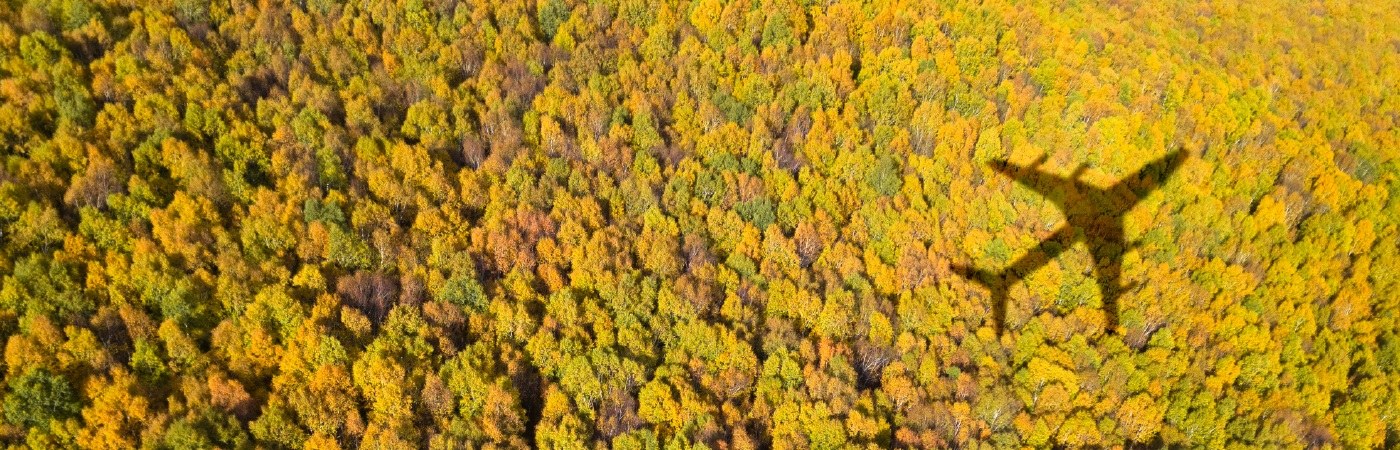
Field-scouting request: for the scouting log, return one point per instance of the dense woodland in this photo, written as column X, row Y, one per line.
column 625, row 224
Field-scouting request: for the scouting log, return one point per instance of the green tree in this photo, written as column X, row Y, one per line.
column 38, row 397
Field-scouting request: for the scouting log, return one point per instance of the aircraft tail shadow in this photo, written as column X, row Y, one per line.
column 996, row 284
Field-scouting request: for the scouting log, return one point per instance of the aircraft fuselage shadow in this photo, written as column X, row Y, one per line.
column 1093, row 216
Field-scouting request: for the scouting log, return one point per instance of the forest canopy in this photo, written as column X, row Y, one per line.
column 655, row 224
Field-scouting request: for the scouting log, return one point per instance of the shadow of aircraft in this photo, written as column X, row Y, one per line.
column 1093, row 215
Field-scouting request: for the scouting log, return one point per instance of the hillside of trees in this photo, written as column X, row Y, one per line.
column 655, row 224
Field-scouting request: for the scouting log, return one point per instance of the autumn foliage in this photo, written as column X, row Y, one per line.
column 639, row 224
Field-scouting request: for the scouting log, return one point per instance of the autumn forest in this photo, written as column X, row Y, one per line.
column 635, row 224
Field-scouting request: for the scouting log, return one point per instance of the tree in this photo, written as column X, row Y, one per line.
column 631, row 224
column 38, row 397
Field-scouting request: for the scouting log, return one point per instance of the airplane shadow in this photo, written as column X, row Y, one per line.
column 1093, row 216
